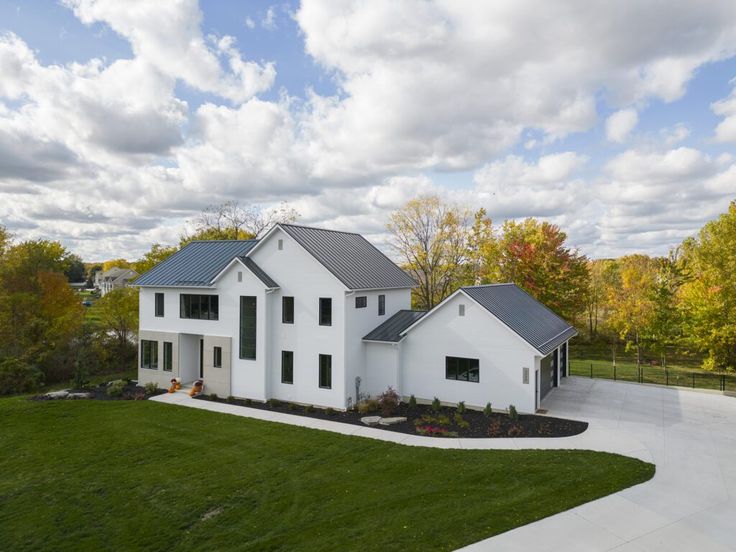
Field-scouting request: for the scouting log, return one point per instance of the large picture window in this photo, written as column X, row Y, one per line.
column 168, row 352
column 149, row 354
column 287, row 366
column 287, row 310
column 325, row 311
column 248, row 327
column 462, row 369
column 159, row 304
column 200, row 307
column 325, row 371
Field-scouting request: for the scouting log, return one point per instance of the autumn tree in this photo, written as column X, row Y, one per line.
column 158, row 253
column 112, row 263
column 430, row 237
column 666, row 321
column 481, row 266
column 534, row 255
column 118, row 312
column 603, row 275
column 708, row 298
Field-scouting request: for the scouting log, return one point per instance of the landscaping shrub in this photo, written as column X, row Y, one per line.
column 330, row 412
column 412, row 402
column 460, row 407
column 487, row 411
column 494, row 428
column 115, row 388
column 516, row 430
column 213, row 396
column 434, row 431
column 513, row 414
column 388, row 401
column 436, row 404
column 230, row 399
column 150, row 388
column 17, row 376
column 368, row 405
column 461, row 422
column 309, row 408
column 273, row 403
column 292, row 406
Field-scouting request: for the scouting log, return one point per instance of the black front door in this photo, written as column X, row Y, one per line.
column 201, row 358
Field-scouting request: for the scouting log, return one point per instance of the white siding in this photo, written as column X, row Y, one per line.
column 382, row 368
column 501, row 352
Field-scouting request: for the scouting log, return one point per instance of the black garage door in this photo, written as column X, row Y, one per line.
column 548, row 367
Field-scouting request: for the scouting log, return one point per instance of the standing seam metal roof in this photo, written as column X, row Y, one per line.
column 259, row 272
column 532, row 320
column 196, row 264
column 350, row 257
column 390, row 330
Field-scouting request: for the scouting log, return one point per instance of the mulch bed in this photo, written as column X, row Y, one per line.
column 499, row 424
column 131, row 391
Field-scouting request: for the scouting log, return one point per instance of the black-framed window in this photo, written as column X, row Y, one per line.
column 149, row 354
column 159, row 301
column 361, row 302
column 217, row 357
column 199, row 307
column 248, row 327
column 287, row 310
column 168, row 353
column 325, row 311
column 462, row 369
column 381, row 305
column 325, row 371
column 287, row 366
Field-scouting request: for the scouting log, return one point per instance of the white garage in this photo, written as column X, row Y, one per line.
column 491, row 343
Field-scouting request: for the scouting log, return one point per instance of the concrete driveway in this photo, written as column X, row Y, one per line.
column 689, row 505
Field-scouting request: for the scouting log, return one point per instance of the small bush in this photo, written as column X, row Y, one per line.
column 368, row 405
column 494, row 428
column 17, row 376
column 309, row 408
column 213, row 396
column 230, row 399
column 292, row 406
column 460, row 407
column 461, row 422
column 150, row 388
column 273, row 403
column 436, row 404
column 116, row 388
column 516, row 430
column 434, row 431
column 330, row 412
column 412, row 402
column 487, row 411
column 248, row 401
column 513, row 414
column 388, row 401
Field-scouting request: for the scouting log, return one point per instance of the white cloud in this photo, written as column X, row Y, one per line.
column 250, row 23
column 726, row 129
column 268, row 21
column 620, row 124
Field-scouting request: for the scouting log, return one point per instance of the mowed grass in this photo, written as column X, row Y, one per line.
column 140, row 475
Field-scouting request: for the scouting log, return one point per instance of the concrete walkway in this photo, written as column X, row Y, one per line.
column 691, row 437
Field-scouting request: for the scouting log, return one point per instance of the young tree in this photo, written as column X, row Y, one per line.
column 665, row 323
column 482, row 262
column 118, row 312
column 75, row 271
column 431, row 239
column 603, row 275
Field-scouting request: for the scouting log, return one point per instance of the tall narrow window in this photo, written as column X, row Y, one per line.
column 325, row 311
column 159, row 304
column 461, row 310
column 281, row 244
column 217, row 357
column 248, row 328
column 287, row 310
column 381, row 305
column 149, row 354
column 361, row 302
column 287, row 366
column 325, row 371
column 168, row 352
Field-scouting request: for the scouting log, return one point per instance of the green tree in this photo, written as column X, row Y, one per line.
column 665, row 323
column 157, row 254
column 118, row 311
column 119, row 263
column 431, row 239
column 75, row 272
column 482, row 257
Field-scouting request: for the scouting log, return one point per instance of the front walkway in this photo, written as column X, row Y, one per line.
column 690, row 504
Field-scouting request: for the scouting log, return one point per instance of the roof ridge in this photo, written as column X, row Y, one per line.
column 320, row 228
column 489, row 285
column 222, row 241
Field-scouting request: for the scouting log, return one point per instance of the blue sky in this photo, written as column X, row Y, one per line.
column 118, row 124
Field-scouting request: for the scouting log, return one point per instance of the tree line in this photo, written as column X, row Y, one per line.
column 684, row 302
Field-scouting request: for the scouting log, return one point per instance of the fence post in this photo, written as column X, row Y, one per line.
column 591, row 370
column 666, row 377
column 614, row 372
column 693, row 380
column 723, row 382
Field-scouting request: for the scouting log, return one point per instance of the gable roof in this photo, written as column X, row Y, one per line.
column 258, row 272
column 195, row 264
column 531, row 320
column 122, row 275
column 353, row 260
column 390, row 330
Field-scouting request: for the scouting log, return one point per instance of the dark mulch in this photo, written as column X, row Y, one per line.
column 131, row 391
column 497, row 425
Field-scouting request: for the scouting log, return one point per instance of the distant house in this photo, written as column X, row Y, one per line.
column 321, row 317
column 115, row 278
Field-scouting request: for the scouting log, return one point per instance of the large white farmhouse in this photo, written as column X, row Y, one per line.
column 316, row 316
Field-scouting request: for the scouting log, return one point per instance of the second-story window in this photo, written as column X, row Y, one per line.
column 248, row 328
column 325, row 311
column 287, row 310
column 159, row 300
column 200, row 307
column 381, row 305
column 361, row 302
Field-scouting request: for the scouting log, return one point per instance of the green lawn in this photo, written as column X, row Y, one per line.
column 140, row 475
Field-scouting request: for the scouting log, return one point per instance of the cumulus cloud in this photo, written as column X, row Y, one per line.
column 620, row 124
column 726, row 108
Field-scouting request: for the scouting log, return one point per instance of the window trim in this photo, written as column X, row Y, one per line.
column 329, row 359
column 381, row 305
column 284, row 355
column 473, row 365
column 284, row 302
column 158, row 309
column 241, row 329
column 361, row 301
column 168, row 358
column 216, row 358
column 322, row 311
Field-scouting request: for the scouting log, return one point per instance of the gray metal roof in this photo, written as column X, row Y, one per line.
column 195, row 264
column 391, row 329
column 534, row 322
column 350, row 257
column 259, row 272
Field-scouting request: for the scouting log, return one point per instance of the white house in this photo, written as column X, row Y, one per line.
column 320, row 317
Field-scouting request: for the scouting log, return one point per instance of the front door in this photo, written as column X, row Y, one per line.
column 201, row 358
